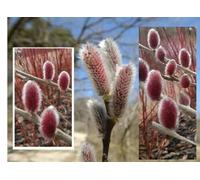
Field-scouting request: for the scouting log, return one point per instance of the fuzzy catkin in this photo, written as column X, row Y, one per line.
column 160, row 54
column 98, row 113
column 184, row 58
column 48, row 70
column 168, row 113
column 143, row 70
column 96, row 67
column 87, row 153
column 153, row 39
column 184, row 99
column 170, row 67
column 111, row 50
column 31, row 96
column 63, row 81
column 185, row 81
column 49, row 122
column 121, row 89
column 154, row 85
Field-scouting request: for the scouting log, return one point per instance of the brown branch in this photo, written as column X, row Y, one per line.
column 169, row 78
column 29, row 76
column 83, row 29
column 186, row 70
column 35, row 119
column 108, row 130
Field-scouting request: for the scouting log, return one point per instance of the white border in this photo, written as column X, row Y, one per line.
column 13, row 101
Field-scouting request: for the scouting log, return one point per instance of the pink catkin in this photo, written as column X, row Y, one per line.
column 31, row 96
column 49, row 122
column 110, row 47
column 170, row 67
column 153, row 39
column 184, row 58
column 168, row 113
column 87, row 153
column 154, row 85
column 63, row 81
column 143, row 70
column 48, row 70
column 184, row 99
column 160, row 54
column 122, row 89
column 185, row 81
column 95, row 64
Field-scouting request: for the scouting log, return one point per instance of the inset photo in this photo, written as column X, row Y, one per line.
column 42, row 98
column 167, row 107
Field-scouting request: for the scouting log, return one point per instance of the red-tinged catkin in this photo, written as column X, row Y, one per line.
column 31, row 96
column 49, row 122
column 170, row 67
column 160, row 54
column 110, row 47
column 48, row 70
column 184, row 58
column 184, row 99
column 185, row 81
column 168, row 113
column 153, row 39
column 97, row 69
column 143, row 70
column 121, row 89
column 87, row 153
column 154, row 85
column 63, row 81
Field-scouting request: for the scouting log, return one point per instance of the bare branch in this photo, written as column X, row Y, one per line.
column 171, row 133
column 188, row 110
column 29, row 76
column 83, row 29
column 187, row 70
column 36, row 119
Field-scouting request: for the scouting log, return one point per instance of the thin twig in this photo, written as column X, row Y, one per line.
column 146, row 48
column 172, row 78
column 187, row 70
column 36, row 119
column 169, row 78
column 171, row 133
column 29, row 76
column 188, row 110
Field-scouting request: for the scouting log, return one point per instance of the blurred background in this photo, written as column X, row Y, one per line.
column 72, row 32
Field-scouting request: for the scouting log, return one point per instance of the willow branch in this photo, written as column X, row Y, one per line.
column 144, row 47
column 43, row 81
column 108, row 130
column 36, row 119
column 172, row 78
column 171, row 133
column 186, row 70
column 188, row 110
